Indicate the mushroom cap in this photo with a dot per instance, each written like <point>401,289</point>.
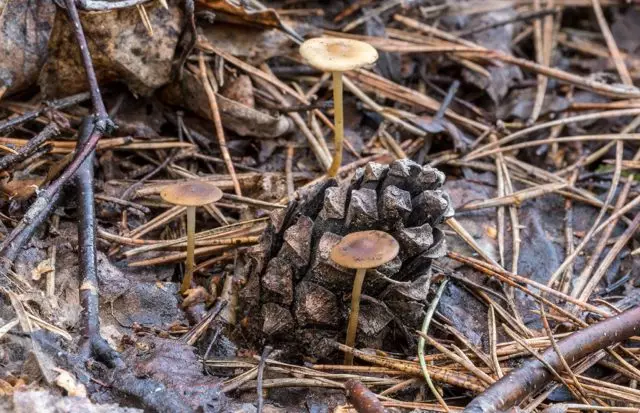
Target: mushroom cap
<point>191,193</point>
<point>331,54</point>
<point>365,249</point>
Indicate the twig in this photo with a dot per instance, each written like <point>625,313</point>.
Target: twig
<point>56,104</point>
<point>554,344</point>
<point>534,15</point>
<point>421,343</point>
<point>25,151</point>
<point>291,187</point>
<point>53,249</point>
<point>265,354</point>
<point>609,258</point>
<point>493,341</point>
<point>217,121</point>
<point>363,399</point>
<point>611,44</point>
<point>519,383</point>
<point>462,232</point>
<point>541,126</point>
<point>94,127</point>
<point>91,342</point>
<point>104,5</point>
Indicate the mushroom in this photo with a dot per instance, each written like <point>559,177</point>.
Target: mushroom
<point>361,251</point>
<point>336,56</point>
<point>191,194</point>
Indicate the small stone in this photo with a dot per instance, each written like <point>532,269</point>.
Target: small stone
<point>276,319</point>
<point>363,210</point>
<point>315,305</point>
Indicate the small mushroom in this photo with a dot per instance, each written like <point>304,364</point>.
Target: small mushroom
<point>191,194</point>
<point>337,55</point>
<point>361,251</point>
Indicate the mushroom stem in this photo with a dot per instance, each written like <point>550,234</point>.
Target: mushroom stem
<point>191,243</point>
<point>338,119</point>
<point>353,315</point>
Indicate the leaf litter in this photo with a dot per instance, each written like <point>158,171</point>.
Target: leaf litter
<point>528,109</point>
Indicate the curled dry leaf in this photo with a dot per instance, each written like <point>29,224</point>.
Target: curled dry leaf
<point>236,117</point>
<point>25,27</point>
<point>120,47</point>
<point>255,44</point>
<point>240,90</point>
<point>230,12</point>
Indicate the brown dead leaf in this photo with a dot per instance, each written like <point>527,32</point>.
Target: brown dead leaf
<point>25,27</point>
<point>20,188</point>
<point>241,90</point>
<point>120,47</point>
<point>11,384</point>
<point>230,12</point>
<point>236,117</point>
<point>255,44</point>
<point>196,296</point>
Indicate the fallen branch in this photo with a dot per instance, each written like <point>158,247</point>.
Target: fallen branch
<point>533,375</point>
<point>93,126</point>
<point>91,343</point>
<point>32,146</point>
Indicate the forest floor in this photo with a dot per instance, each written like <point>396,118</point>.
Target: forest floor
<point>520,116</point>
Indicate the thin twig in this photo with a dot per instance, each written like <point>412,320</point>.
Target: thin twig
<point>421,342</point>
<point>217,122</point>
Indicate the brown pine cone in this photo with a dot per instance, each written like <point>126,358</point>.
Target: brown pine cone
<point>295,297</point>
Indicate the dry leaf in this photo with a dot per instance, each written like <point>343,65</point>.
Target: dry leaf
<point>236,117</point>
<point>120,47</point>
<point>230,12</point>
<point>25,27</point>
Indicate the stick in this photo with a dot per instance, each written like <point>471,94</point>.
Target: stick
<point>25,151</point>
<point>91,342</point>
<point>519,383</point>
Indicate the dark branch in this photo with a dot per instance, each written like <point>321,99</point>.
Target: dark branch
<point>102,5</point>
<point>91,342</point>
<point>56,104</point>
<point>34,143</point>
<point>533,375</point>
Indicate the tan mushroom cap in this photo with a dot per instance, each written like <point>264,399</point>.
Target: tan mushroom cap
<point>191,193</point>
<point>331,54</point>
<point>365,249</point>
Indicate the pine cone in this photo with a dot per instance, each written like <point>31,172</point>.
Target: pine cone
<point>296,297</point>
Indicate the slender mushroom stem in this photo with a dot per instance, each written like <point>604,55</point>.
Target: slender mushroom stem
<point>338,119</point>
<point>191,243</point>
<point>353,315</point>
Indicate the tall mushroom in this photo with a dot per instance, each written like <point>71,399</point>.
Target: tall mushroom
<point>361,251</point>
<point>191,194</point>
<point>336,56</point>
